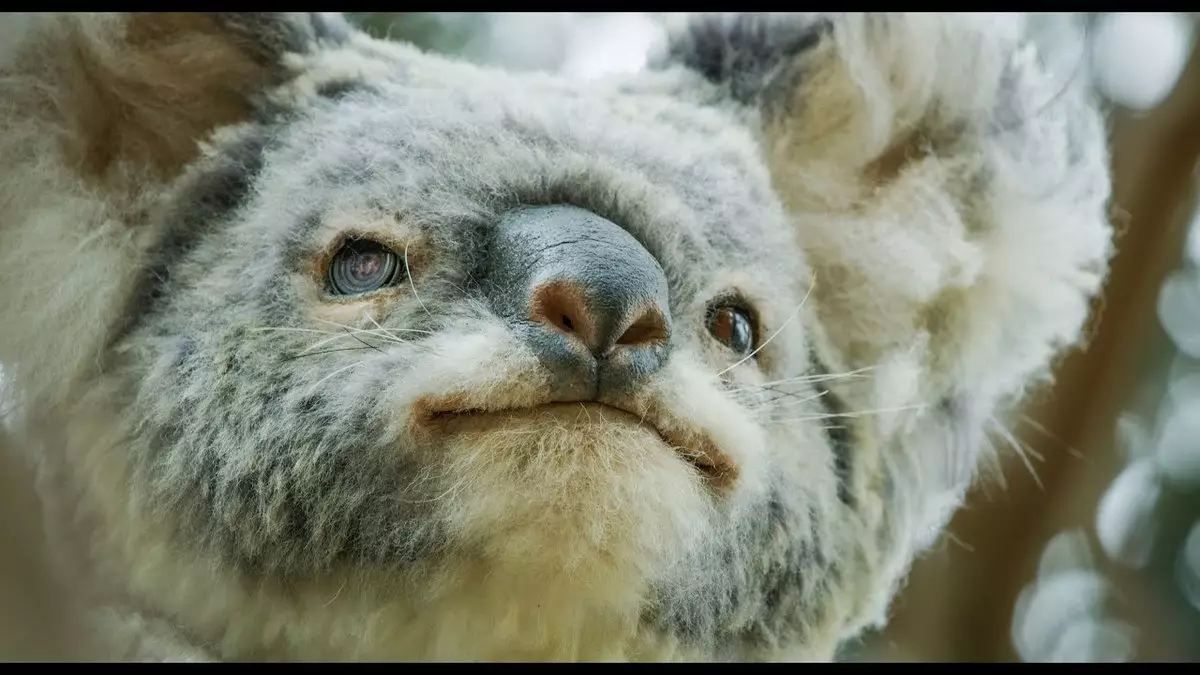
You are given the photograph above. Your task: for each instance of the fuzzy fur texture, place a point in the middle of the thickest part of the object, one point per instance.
(238, 466)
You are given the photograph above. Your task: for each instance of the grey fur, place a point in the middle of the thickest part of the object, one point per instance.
(205, 391)
(288, 457)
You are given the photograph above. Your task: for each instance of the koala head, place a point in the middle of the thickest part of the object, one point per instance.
(358, 352)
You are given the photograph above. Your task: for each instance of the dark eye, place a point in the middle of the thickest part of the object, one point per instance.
(363, 266)
(732, 327)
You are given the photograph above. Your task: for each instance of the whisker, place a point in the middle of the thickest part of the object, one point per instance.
(374, 331)
(339, 370)
(799, 398)
(354, 334)
(385, 331)
(857, 413)
(412, 285)
(293, 357)
(795, 313)
(365, 343)
(350, 331)
(807, 378)
(290, 329)
(334, 337)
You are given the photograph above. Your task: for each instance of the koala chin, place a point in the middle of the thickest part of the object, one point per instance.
(351, 352)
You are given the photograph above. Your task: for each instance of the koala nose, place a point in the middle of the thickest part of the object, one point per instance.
(583, 294)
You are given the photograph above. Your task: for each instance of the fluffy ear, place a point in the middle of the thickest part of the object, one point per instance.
(950, 195)
(137, 91)
(951, 198)
(100, 114)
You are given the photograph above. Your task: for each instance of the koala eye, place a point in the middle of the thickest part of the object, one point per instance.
(362, 266)
(733, 327)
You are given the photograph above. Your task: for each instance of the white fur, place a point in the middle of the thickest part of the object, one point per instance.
(947, 289)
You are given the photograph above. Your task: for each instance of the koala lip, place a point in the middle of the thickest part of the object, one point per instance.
(692, 446)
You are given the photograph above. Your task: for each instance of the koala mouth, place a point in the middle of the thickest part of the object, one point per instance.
(697, 449)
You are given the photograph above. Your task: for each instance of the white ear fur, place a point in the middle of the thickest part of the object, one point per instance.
(947, 191)
(952, 199)
(950, 196)
(100, 113)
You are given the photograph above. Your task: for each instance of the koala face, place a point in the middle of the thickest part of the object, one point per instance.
(448, 325)
(417, 359)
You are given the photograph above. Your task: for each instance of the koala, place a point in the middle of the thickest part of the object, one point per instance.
(362, 353)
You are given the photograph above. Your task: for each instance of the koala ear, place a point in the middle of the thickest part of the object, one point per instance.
(949, 194)
(103, 117)
(137, 91)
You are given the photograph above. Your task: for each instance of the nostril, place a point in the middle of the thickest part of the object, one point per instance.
(563, 322)
(650, 328)
(561, 305)
(581, 293)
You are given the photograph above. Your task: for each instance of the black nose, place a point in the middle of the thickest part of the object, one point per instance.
(584, 294)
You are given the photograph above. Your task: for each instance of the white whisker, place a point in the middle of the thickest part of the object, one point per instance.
(339, 370)
(312, 347)
(823, 377)
(385, 331)
(857, 413)
(795, 313)
(290, 329)
(320, 343)
(783, 399)
(369, 331)
(412, 285)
